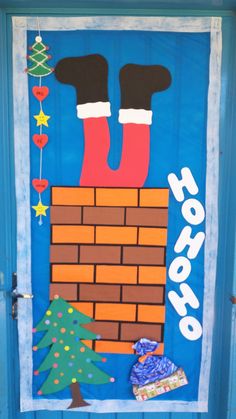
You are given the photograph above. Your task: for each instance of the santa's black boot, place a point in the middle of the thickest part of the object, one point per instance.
(138, 83)
(89, 75)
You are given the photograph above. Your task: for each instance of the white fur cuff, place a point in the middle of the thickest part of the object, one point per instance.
(135, 116)
(93, 110)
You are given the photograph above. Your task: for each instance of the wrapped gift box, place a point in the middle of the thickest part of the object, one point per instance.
(178, 379)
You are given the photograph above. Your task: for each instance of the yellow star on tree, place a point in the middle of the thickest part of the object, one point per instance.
(40, 209)
(42, 119)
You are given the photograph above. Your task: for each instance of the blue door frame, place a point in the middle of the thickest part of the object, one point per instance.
(222, 400)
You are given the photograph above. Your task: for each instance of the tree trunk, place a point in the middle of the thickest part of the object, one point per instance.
(77, 399)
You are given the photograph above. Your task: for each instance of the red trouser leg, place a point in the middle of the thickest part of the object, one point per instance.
(134, 163)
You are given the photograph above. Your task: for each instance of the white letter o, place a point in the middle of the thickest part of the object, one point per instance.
(176, 264)
(190, 328)
(193, 218)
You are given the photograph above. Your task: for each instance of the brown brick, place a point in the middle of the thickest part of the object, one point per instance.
(103, 215)
(95, 292)
(60, 253)
(143, 294)
(117, 197)
(107, 330)
(113, 347)
(72, 196)
(66, 291)
(143, 255)
(65, 215)
(125, 312)
(116, 235)
(72, 234)
(153, 217)
(116, 274)
(134, 331)
(100, 254)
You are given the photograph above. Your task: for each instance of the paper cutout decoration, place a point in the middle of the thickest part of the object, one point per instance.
(150, 367)
(69, 262)
(40, 185)
(71, 361)
(152, 374)
(40, 140)
(38, 58)
(40, 92)
(108, 247)
(40, 69)
(88, 74)
(40, 209)
(148, 391)
(42, 119)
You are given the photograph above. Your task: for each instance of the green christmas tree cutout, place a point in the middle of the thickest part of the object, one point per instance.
(38, 58)
(70, 360)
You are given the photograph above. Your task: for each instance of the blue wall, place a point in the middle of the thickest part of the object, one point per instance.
(221, 380)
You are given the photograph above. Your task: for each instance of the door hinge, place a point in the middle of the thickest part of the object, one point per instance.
(15, 295)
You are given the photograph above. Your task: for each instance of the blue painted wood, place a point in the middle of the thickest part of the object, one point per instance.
(129, 416)
(143, 4)
(26, 415)
(232, 378)
(186, 416)
(232, 387)
(104, 415)
(221, 343)
(53, 415)
(157, 415)
(9, 377)
(7, 253)
(71, 415)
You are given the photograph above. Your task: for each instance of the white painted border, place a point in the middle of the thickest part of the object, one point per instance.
(22, 169)
(212, 177)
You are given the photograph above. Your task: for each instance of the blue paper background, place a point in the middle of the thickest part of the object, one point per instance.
(178, 139)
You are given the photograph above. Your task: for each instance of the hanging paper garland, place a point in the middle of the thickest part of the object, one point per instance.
(40, 69)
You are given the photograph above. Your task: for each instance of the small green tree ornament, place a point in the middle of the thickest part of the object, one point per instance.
(70, 360)
(38, 58)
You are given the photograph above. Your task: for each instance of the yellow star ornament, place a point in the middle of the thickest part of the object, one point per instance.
(40, 209)
(42, 119)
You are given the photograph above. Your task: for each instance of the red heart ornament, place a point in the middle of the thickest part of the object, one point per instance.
(40, 184)
(40, 140)
(40, 92)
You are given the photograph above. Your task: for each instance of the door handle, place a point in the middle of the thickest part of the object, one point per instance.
(15, 295)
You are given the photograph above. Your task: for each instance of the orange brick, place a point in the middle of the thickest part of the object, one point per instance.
(106, 311)
(117, 197)
(72, 234)
(107, 346)
(72, 273)
(152, 275)
(72, 196)
(153, 236)
(115, 274)
(85, 308)
(116, 235)
(151, 314)
(88, 343)
(154, 197)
